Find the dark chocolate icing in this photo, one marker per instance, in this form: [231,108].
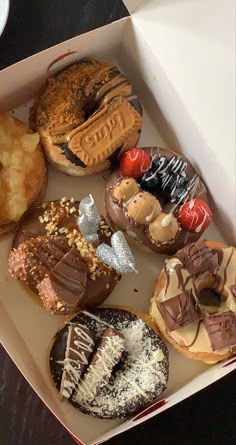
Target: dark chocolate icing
[70,155]
[119,219]
[120,398]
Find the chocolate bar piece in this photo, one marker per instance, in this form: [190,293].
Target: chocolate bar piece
[100,369]
[180,310]
[35,257]
[221,330]
[79,347]
[66,283]
[233,291]
[197,258]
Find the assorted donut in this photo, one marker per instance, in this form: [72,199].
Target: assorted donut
[112,362]
[157,199]
[87,115]
[51,256]
[109,363]
[194,301]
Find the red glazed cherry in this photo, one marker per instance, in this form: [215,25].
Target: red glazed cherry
[134,163]
[195,215]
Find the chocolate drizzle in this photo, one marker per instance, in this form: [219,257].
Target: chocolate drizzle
[233,291]
[197,258]
[196,335]
[214,290]
[180,310]
[221,330]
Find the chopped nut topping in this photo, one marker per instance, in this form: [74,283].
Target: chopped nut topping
[52,220]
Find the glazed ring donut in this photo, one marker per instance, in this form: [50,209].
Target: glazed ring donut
[86,115]
[48,246]
[131,377]
[146,208]
[23,174]
[194,302]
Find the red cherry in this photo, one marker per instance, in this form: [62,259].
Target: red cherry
[195,215]
[134,163]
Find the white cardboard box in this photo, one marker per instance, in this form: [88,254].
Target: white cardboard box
[180,57]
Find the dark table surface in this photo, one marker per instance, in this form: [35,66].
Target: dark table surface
[206,418]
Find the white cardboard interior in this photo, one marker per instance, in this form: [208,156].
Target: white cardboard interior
[26,329]
[135,5]
[195,49]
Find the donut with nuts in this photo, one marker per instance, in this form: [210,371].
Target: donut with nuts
[53,258]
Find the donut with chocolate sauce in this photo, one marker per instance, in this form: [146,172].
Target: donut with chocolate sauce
[109,363]
[50,255]
[146,208]
[194,301]
[87,114]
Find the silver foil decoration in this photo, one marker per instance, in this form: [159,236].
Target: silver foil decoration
[119,256]
[89,219]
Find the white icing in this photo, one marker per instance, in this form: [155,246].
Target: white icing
[72,367]
[166,220]
[99,372]
[150,217]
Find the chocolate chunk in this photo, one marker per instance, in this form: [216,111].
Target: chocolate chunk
[180,310]
[99,372]
[79,347]
[233,291]
[65,285]
[197,258]
[221,329]
[31,261]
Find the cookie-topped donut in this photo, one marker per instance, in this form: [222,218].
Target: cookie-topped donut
[51,256]
[194,302]
[110,363]
[157,198]
[86,115]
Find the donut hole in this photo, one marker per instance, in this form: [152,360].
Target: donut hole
[209,298]
[89,106]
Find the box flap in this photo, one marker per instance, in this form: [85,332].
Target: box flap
[135,5]
[194,42]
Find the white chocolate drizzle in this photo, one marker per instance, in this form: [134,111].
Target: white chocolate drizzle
[76,357]
[166,220]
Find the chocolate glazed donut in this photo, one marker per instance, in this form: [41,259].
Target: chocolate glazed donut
[33,232]
[138,377]
[119,219]
[86,115]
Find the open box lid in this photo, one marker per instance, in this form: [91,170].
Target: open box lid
[194,42]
